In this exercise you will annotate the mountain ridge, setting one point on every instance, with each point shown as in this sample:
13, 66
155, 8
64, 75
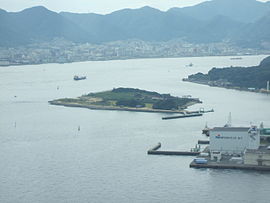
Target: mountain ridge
38, 24
247, 10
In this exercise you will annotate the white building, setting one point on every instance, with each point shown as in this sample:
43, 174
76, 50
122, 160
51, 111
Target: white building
233, 140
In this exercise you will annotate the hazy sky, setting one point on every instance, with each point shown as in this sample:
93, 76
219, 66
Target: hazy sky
95, 6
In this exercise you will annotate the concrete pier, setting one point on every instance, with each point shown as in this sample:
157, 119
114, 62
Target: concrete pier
202, 111
155, 151
219, 165
182, 116
155, 147
203, 142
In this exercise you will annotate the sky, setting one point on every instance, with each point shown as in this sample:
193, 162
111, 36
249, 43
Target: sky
95, 6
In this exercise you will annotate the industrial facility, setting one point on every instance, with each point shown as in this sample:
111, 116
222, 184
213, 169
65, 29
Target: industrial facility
233, 140
236, 148
228, 147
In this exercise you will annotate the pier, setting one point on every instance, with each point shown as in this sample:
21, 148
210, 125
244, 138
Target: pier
201, 110
187, 114
203, 142
182, 116
220, 165
155, 151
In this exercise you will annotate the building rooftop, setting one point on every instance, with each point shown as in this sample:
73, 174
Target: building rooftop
244, 129
265, 131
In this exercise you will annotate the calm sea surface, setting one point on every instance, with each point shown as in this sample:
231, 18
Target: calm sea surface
44, 158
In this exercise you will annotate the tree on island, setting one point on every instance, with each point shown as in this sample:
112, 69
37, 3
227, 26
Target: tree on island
130, 103
166, 104
243, 77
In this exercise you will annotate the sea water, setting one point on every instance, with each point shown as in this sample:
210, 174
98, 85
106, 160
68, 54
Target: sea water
62, 154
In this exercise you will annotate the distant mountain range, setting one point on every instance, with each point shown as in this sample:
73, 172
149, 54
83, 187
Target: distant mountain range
242, 22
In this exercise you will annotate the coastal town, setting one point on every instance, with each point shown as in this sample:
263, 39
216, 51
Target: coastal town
63, 51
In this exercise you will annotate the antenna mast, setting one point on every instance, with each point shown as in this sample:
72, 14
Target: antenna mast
229, 123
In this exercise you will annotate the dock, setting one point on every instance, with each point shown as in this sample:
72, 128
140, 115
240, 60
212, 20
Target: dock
220, 165
186, 114
203, 142
201, 110
182, 116
155, 151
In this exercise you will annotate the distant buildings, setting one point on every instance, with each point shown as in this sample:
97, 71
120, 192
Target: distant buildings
61, 51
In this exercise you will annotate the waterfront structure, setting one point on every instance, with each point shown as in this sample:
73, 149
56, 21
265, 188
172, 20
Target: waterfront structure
265, 134
260, 157
237, 148
267, 88
215, 156
233, 140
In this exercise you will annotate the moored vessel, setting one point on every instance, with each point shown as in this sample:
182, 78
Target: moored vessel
76, 77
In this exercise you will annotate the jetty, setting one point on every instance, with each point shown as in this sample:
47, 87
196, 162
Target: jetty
221, 165
182, 116
186, 114
155, 151
203, 142
201, 110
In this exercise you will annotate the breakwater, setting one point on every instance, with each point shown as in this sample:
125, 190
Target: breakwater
182, 116
203, 142
155, 151
217, 165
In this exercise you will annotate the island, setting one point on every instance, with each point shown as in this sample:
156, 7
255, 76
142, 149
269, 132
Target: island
254, 78
129, 99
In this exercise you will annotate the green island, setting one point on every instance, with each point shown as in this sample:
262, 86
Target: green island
241, 78
129, 99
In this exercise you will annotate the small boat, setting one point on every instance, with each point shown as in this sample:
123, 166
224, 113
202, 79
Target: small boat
189, 65
200, 161
76, 77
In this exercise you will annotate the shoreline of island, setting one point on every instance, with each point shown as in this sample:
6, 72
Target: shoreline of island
207, 83
114, 108
130, 99
250, 79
